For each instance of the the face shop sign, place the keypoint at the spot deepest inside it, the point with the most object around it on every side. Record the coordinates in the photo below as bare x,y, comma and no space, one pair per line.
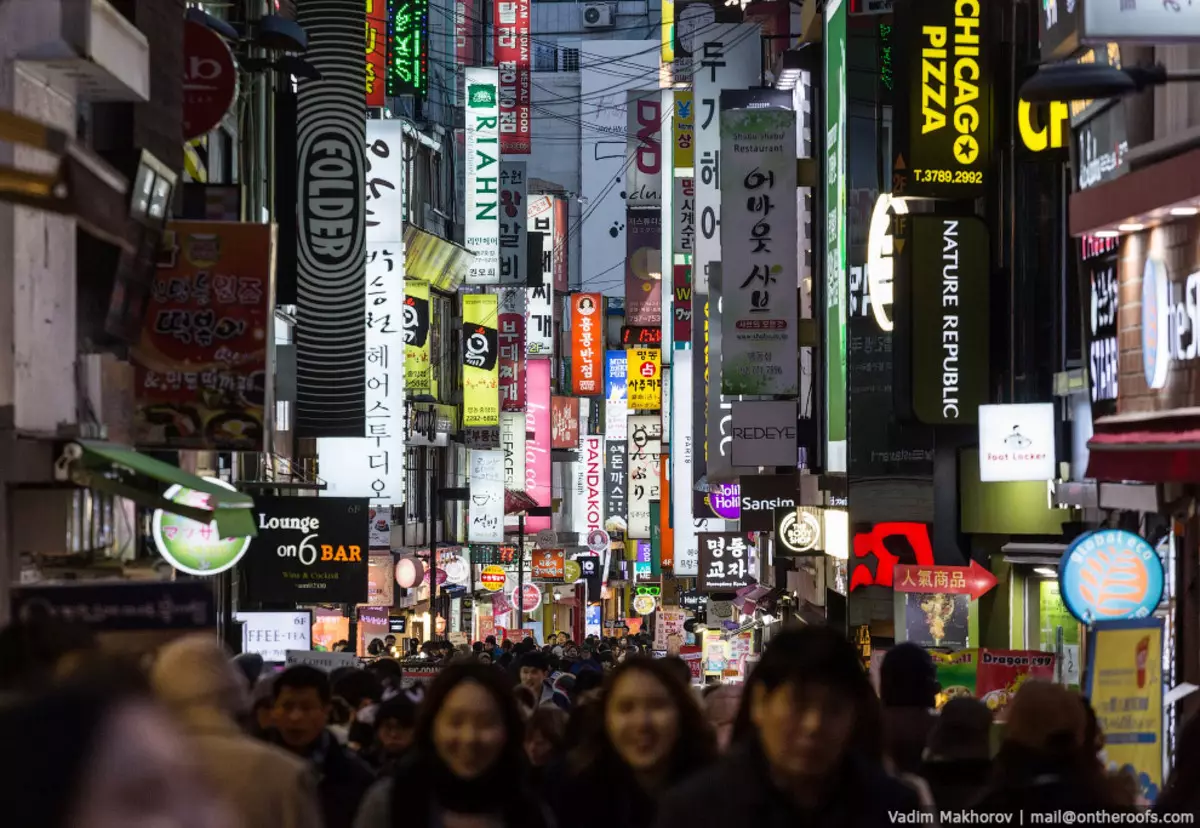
1170,321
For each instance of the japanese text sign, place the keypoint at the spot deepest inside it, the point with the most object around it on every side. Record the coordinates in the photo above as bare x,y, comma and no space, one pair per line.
645,449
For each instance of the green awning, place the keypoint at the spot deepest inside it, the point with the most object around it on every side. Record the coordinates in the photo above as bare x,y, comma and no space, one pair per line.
124,472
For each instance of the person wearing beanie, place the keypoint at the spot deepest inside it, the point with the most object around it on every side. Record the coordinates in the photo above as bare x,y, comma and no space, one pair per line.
198,683
908,689
958,758
533,671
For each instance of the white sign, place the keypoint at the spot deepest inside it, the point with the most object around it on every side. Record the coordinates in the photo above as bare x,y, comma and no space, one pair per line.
1170,321
514,248
880,253
683,228
759,306
512,443
683,444
354,466
485,512
386,410
1148,21
764,434
593,482
539,310
321,660
483,174
385,200
1016,442
272,634
645,449
616,402
800,531
727,57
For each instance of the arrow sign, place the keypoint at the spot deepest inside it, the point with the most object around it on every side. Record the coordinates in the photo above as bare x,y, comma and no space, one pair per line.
971,580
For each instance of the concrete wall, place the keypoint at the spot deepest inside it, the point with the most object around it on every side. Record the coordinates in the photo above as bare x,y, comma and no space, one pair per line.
555,156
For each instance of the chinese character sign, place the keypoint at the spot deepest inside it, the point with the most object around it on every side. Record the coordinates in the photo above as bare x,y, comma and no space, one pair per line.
587,339
485,511
201,360
481,357
643,268
759,339
377,47
645,379
616,406
407,48
512,49
684,229
512,348
645,448
483,175
514,242
724,562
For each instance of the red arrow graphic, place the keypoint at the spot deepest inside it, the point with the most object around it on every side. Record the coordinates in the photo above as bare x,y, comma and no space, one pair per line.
971,580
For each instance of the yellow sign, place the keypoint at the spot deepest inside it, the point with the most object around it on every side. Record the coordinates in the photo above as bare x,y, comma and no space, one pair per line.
417,317
1125,687
481,351
683,129
950,78
644,378
668,31
1039,137
572,572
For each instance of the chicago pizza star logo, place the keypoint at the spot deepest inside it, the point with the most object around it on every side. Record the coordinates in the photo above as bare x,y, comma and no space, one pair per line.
966,149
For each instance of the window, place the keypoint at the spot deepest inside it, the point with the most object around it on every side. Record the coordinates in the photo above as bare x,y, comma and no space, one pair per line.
569,60
545,57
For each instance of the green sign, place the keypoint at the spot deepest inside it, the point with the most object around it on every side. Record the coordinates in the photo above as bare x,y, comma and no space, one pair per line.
1054,615
190,546
655,538
835,235
408,47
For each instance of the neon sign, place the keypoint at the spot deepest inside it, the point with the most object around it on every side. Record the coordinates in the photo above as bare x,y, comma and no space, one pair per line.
408,47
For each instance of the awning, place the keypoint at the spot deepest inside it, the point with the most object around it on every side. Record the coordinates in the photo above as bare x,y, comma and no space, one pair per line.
1150,448
124,472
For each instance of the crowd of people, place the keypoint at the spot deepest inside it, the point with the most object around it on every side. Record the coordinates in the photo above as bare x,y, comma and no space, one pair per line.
512,735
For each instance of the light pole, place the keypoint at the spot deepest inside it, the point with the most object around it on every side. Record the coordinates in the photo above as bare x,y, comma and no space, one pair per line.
1087,81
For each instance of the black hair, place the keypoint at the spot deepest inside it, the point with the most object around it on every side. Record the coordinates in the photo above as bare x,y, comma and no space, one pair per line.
31,649
908,677
400,709
536,661
387,669
376,647
585,681
357,687
303,677
681,667
477,647
490,641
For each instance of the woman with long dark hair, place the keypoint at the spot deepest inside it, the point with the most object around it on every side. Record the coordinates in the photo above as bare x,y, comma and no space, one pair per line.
647,736
806,748
467,765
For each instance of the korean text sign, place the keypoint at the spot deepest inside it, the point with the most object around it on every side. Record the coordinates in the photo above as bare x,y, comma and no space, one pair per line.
407,47
724,562
485,513
645,379
483,175
538,439
512,348
513,58
514,220
643,267
549,564
417,369
587,339
481,352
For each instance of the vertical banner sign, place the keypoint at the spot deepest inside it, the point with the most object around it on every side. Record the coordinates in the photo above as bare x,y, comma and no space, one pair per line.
835,235
407,47
559,261
416,339
386,357
950,328
645,379
683,448
1103,355
645,446
643,268
512,348
512,443
718,418
699,403
728,58
512,49
681,307
485,512
616,487
643,179
514,242
539,329
760,306
481,361
483,175
593,481
537,445
564,419
331,256
683,230
616,405
377,46
587,343
464,32
683,130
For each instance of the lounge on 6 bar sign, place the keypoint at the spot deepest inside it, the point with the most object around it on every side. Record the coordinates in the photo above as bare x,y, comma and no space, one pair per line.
308,550
724,562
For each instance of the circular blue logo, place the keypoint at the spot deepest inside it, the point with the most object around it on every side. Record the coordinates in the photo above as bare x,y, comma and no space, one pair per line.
1110,575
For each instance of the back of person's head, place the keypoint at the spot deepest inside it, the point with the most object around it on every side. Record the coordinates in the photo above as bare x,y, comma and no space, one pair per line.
194,676
1181,794
34,649
908,678
536,661
477,647
549,723
588,681
358,688
1048,719
302,677
399,709
681,667
388,670
962,731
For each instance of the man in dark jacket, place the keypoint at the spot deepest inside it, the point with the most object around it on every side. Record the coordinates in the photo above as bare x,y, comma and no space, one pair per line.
958,758
908,689
303,699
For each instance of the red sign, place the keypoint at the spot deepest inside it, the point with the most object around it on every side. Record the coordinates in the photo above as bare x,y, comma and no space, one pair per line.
564,422
210,80
531,597
1001,673
587,341
512,51
377,35
549,565
512,349
971,580
560,247
201,361
681,305
871,544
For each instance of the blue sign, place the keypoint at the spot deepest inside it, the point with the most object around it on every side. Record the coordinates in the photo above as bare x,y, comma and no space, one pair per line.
1110,575
614,375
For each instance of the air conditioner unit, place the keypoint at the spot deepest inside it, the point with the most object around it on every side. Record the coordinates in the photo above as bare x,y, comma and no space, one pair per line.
597,16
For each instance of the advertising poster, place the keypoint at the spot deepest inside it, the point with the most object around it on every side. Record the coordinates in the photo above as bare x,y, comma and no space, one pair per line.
936,619
514,242
643,268
1125,686
513,58
512,348
329,627
836,116
587,343
381,579
564,419
483,175
616,488
485,512
645,379
377,65
538,439
643,177
681,306
417,373
331,180
956,674
380,520
724,562
616,405
481,357
760,306
1002,672
308,550
201,361
512,443
645,448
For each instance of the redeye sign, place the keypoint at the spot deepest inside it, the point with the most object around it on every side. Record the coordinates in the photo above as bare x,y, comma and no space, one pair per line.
1016,442
309,550
1110,575
764,433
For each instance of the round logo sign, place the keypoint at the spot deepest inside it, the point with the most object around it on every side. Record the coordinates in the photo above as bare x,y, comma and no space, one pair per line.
572,572
409,572
210,80
546,539
648,370
585,305
644,604
531,597
1110,575
726,501
1156,311
457,570
598,540
492,578
190,546
799,532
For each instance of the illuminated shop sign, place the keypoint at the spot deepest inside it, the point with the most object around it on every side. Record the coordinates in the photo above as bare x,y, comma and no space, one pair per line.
408,47
1170,321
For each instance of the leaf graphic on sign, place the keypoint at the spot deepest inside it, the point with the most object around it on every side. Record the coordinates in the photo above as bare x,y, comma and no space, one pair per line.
1114,581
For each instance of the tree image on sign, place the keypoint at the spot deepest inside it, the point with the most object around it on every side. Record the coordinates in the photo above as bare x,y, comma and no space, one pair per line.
1113,580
